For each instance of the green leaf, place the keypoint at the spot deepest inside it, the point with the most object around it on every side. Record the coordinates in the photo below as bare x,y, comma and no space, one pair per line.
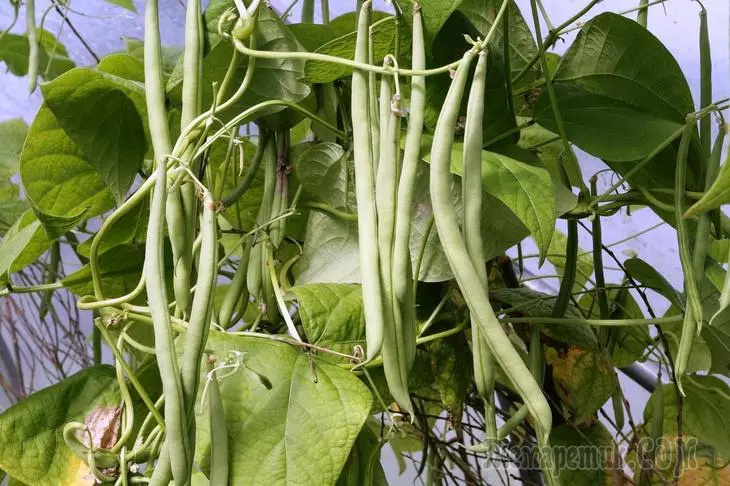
114,143
331,248
585,455
449,46
325,72
532,303
706,411
584,379
126,4
13,244
323,172
273,78
332,315
481,14
38,244
120,272
303,426
312,36
12,136
130,229
32,448
618,82
57,176
549,149
363,466
584,265
649,277
434,13
53,60
125,66
527,191
11,205
170,54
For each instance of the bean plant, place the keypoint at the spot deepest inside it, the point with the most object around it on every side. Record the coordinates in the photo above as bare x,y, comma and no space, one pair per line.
303,242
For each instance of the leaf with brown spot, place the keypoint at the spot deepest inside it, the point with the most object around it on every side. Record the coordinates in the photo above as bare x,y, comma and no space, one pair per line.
584,380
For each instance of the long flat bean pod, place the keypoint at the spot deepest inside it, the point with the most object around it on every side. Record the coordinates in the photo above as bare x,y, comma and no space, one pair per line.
693,309
402,271
201,310
237,294
395,359
471,191
372,293
154,269
219,460
461,264
34,45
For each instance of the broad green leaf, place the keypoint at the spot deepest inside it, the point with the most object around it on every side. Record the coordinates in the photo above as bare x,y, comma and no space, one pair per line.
585,379
125,66
526,301
13,244
312,36
130,229
481,13
57,176
525,189
170,54
38,244
302,426
499,123
717,195
12,136
649,277
618,82
273,78
585,455
363,466
53,60
434,13
114,143
126,4
549,149
323,172
11,205
347,22
706,411
331,254
325,72
120,272
32,448
584,265
332,315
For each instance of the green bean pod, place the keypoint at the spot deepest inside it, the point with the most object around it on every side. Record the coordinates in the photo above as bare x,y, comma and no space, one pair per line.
402,270
219,460
373,103
154,269
372,293
395,358
471,194
201,310
34,45
182,251
705,81
693,309
236,296
462,266
255,265
281,190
